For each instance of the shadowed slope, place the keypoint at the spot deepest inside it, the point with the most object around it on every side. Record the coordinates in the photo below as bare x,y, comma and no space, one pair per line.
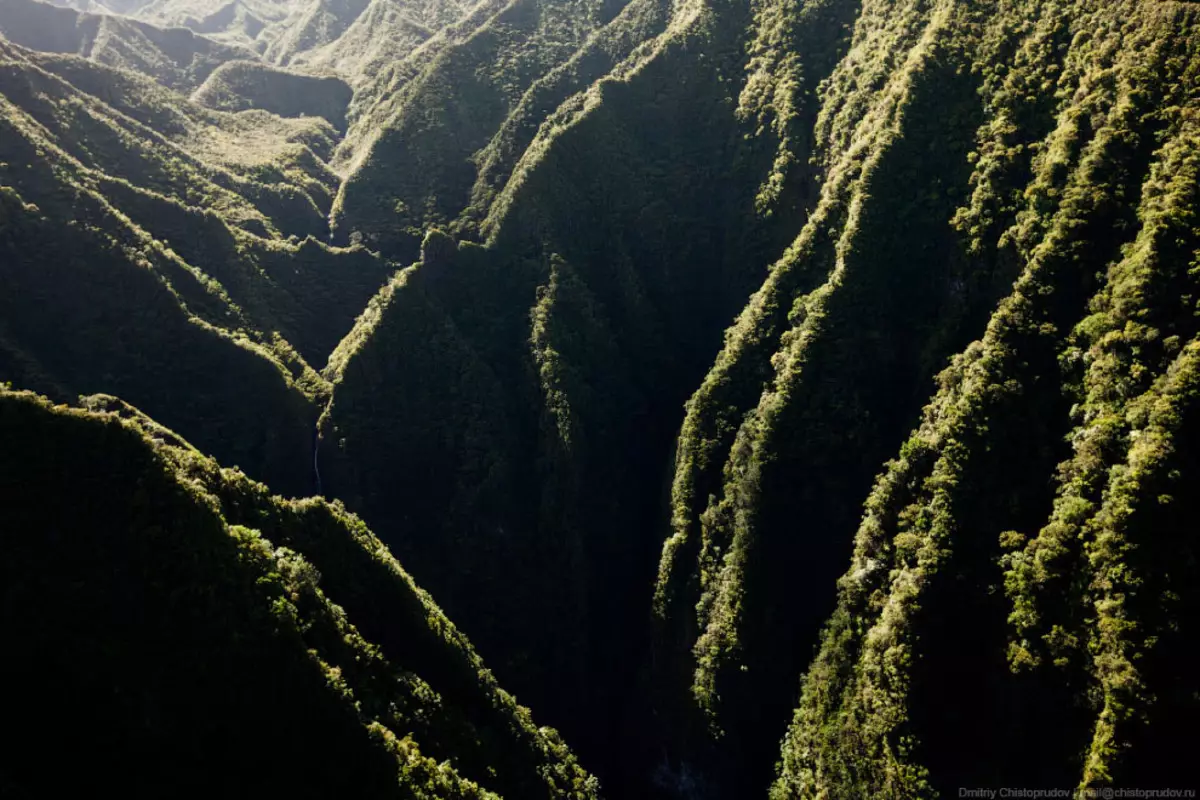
148,603
175,57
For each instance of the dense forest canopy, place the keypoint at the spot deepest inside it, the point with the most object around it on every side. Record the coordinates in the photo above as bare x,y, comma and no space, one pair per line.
678,399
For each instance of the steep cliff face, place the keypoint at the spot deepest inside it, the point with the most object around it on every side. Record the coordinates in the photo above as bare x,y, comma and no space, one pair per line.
786,397
1032,538
961,148
518,400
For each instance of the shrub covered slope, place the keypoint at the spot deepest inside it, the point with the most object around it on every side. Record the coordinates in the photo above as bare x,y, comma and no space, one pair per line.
207,637
787,397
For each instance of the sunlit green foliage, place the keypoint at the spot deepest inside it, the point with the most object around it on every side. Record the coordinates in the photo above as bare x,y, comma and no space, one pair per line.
520,453
193,625
413,168
1022,588
143,257
573,199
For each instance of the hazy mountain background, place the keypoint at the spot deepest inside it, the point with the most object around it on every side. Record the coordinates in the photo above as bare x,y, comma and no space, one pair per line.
782,397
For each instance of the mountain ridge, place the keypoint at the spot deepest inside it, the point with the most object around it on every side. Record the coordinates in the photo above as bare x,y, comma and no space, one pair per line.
789,398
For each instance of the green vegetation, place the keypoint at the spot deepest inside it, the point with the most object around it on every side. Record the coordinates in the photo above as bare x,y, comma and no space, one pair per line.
384,34
174,57
145,259
248,23
1011,602
626,326
413,165
554,352
191,626
241,85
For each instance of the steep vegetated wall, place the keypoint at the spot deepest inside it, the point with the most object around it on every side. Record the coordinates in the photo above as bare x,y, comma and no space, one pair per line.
1020,541
189,623
555,359
790,397
963,148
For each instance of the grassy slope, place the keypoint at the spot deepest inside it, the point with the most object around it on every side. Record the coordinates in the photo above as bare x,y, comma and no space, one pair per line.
385,33
250,24
241,85
154,207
